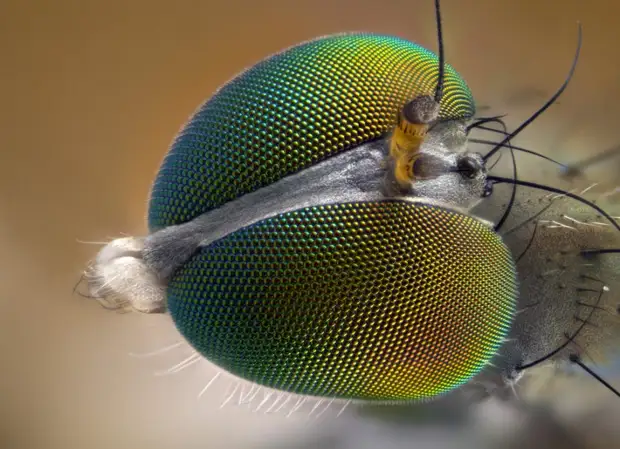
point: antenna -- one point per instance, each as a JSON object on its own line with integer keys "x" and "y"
{"x": 440, "y": 76}
{"x": 547, "y": 104}
{"x": 414, "y": 120}
{"x": 574, "y": 358}
{"x": 578, "y": 167}
{"x": 499, "y": 180}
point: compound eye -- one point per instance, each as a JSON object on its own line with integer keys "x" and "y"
{"x": 370, "y": 301}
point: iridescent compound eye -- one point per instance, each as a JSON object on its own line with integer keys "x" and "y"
{"x": 388, "y": 300}
{"x": 291, "y": 112}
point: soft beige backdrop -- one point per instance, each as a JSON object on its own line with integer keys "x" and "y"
{"x": 91, "y": 94}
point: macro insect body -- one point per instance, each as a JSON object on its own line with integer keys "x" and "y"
{"x": 314, "y": 229}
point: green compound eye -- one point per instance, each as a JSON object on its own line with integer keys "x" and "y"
{"x": 291, "y": 111}
{"x": 383, "y": 301}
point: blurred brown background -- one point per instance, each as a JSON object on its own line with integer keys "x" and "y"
{"x": 91, "y": 94}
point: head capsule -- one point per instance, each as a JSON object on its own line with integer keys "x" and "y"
{"x": 381, "y": 298}
{"x": 292, "y": 255}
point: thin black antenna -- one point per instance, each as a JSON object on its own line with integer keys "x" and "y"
{"x": 529, "y": 220}
{"x": 496, "y": 162}
{"x": 574, "y": 358}
{"x": 500, "y": 180}
{"x": 439, "y": 89}
{"x": 514, "y": 147}
{"x": 482, "y": 120}
{"x": 588, "y": 252}
{"x": 513, "y": 194}
{"x": 486, "y": 128}
{"x": 529, "y": 244}
{"x": 578, "y": 167}
{"x": 546, "y": 105}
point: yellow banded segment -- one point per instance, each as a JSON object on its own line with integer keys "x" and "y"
{"x": 405, "y": 147}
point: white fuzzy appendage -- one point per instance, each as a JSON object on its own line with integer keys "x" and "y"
{"x": 120, "y": 278}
